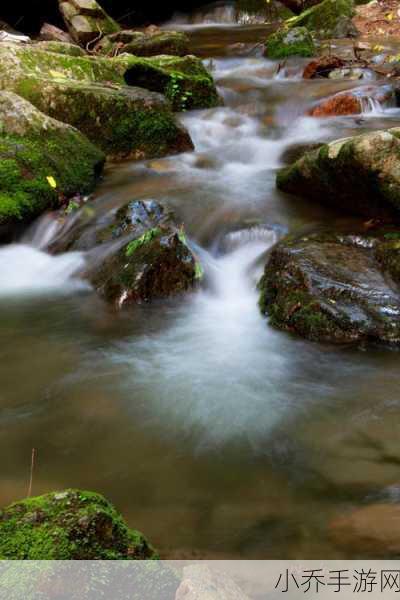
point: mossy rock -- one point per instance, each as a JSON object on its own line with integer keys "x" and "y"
{"x": 146, "y": 256}
{"x": 92, "y": 95}
{"x": 324, "y": 18}
{"x": 358, "y": 175}
{"x": 331, "y": 288}
{"x": 285, "y": 42}
{"x": 86, "y": 20}
{"x": 138, "y": 43}
{"x": 69, "y": 525}
{"x": 61, "y": 48}
{"x": 152, "y": 261}
{"x": 42, "y": 161}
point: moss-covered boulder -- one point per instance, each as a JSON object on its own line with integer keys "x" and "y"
{"x": 42, "y": 161}
{"x": 139, "y": 43}
{"x": 285, "y": 42}
{"x": 69, "y": 525}
{"x": 86, "y": 20}
{"x": 360, "y": 175}
{"x": 92, "y": 94}
{"x": 333, "y": 288}
{"x": 326, "y": 19}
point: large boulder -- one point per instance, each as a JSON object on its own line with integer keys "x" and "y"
{"x": 69, "y": 525}
{"x": 140, "y": 253}
{"x": 370, "y": 531}
{"x": 328, "y": 19}
{"x": 337, "y": 288}
{"x": 92, "y": 94}
{"x": 285, "y": 42}
{"x": 86, "y": 20}
{"x": 152, "y": 42}
{"x": 360, "y": 175}
{"x": 42, "y": 161}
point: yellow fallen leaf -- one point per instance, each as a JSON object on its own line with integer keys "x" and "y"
{"x": 51, "y": 181}
{"x": 57, "y": 74}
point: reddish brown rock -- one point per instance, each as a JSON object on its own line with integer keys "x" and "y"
{"x": 322, "y": 66}
{"x": 339, "y": 105}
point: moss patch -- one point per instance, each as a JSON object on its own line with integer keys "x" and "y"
{"x": 290, "y": 42}
{"x": 70, "y": 525}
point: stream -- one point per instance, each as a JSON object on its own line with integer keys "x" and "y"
{"x": 213, "y": 433}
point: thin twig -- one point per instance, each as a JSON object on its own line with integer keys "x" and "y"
{"x": 32, "y": 468}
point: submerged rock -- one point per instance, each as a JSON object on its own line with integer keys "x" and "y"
{"x": 150, "y": 43}
{"x": 42, "y": 161}
{"x": 360, "y": 175}
{"x": 328, "y": 19}
{"x": 372, "y": 531}
{"x": 92, "y": 94}
{"x": 332, "y": 288}
{"x": 86, "y": 20}
{"x": 290, "y": 42}
{"x": 69, "y": 525}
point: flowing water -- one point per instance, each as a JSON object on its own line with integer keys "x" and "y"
{"x": 213, "y": 433}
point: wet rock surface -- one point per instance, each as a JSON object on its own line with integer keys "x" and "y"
{"x": 140, "y": 253}
{"x": 360, "y": 175}
{"x": 332, "y": 288}
{"x": 68, "y": 525}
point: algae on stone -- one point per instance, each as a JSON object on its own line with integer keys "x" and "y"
{"x": 42, "y": 161}
{"x": 325, "y": 17}
{"x": 92, "y": 95}
{"x": 69, "y": 525}
{"x": 285, "y": 42}
{"x": 360, "y": 175}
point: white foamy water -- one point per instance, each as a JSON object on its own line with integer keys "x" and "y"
{"x": 28, "y": 270}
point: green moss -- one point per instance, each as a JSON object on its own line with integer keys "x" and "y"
{"x": 144, "y": 239}
{"x": 27, "y": 162}
{"x": 290, "y": 42}
{"x": 71, "y": 525}
{"x": 323, "y": 17}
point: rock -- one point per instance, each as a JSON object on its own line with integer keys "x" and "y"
{"x": 155, "y": 43}
{"x": 352, "y": 73}
{"x": 185, "y": 81}
{"x": 153, "y": 259}
{"x": 344, "y": 28}
{"x": 201, "y": 582}
{"x": 51, "y": 33}
{"x": 42, "y": 161}
{"x": 92, "y": 94}
{"x": 322, "y": 66}
{"x": 86, "y": 21}
{"x": 143, "y": 254}
{"x": 285, "y": 42}
{"x": 354, "y": 101}
{"x": 372, "y": 531}
{"x": 70, "y": 525}
{"x": 61, "y": 48}
{"x": 325, "y": 18}
{"x": 344, "y": 103}
{"x": 360, "y": 175}
{"x": 331, "y": 288}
